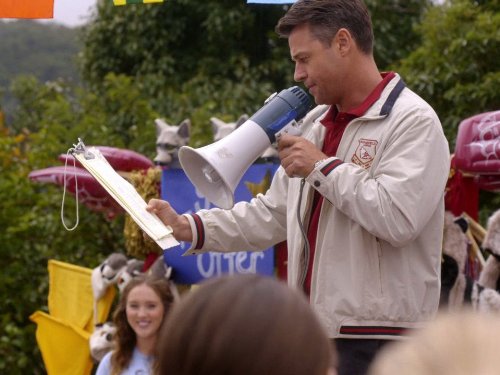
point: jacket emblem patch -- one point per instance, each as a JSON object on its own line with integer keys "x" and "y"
{"x": 365, "y": 153}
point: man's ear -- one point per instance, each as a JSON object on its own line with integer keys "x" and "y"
{"x": 343, "y": 41}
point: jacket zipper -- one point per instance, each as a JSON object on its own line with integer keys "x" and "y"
{"x": 307, "y": 250}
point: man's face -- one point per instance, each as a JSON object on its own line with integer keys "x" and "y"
{"x": 317, "y": 65}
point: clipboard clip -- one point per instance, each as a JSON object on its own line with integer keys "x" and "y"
{"x": 80, "y": 148}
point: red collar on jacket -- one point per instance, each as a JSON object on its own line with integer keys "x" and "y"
{"x": 334, "y": 117}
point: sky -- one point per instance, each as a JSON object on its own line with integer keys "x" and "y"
{"x": 71, "y": 12}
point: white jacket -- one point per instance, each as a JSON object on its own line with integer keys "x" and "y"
{"x": 376, "y": 270}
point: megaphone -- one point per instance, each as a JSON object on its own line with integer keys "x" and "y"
{"x": 215, "y": 170}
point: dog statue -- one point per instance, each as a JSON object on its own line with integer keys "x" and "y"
{"x": 107, "y": 273}
{"x": 454, "y": 282}
{"x": 221, "y": 129}
{"x": 101, "y": 340}
{"x": 457, "y": 289}
{"x": 169, "y": 138}
{"x": 490, "y": 274}
{"x": 133, "y": 269}
{"x": 161, "y": 269}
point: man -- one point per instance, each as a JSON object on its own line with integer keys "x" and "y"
{"x": 366, "y": 178}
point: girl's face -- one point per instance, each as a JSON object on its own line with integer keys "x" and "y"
{"x": 144, "y": 311}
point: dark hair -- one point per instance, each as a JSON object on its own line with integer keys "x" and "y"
{"x": 327, "y": 17}
{"x": 243, "y": 324}
{"x": 125, "y": 338}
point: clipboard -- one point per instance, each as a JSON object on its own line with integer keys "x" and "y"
{"x": 124, "y": 193}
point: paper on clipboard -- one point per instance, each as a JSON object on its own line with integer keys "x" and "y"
{"x": 125, "y": 194}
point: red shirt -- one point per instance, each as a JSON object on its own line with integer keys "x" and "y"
{"x": 335, "y": 123}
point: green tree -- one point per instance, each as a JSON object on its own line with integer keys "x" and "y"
{"x": 214, "y": 58}
{"x": 195, "y": 59}
{"x": 190, "y": 59}
{"x": 178, "y": 39}
{"x": 31, "y": 234}
{"x": 48, "y": 52}
{"x": 457, "y": 66}
{"x": 394, "y": 23}
{"x": 49, "y": 119}
{"x": 120, "y": 116}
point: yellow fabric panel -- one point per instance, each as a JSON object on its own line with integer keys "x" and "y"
{"x": 103, "y": 308}
{"x": 71, "y": 298}
{"x": 70, "y": 293}
{"x": 65, "y": 347}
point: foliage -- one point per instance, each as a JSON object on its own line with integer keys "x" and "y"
{"x": 188, "y": 59}
{"x": 191, "y": 59}
{"x": 394, "y": 22}
{"x": 50, "y": 119}
{"x": 179, "y": 39}
{"x": 46, "y": 51}
{"x": 457, "y": 67}
{"x": 31, "y": 234}
{"x": 120, "y": 117}
{"x": 197, "y": 59}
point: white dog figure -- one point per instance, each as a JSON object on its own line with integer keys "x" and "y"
{"x": 101, "y": 340}
{"x": 221, "y": 129}
{"x": 169, "y": 138}
{"x": 453, "y": 279}
{"x": 105, "y": 275}
{"x": 161, "y": 269}
{"x": 490, "y": 274}
{"x": 459, "y": 290}
{"x": 133, "y": 269}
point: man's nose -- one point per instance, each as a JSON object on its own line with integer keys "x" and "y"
{"x": 299, "y": 74}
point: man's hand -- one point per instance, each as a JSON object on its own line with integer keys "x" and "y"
{"x": 178, "y": 223}
{"x": 298, "y": 155}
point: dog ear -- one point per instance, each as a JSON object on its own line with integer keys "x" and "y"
{"x": 160, "y": 126}
{"x": 216, "y": 124}
{"x": 492, "y": 238}
{"x": 241, "y": 120}
{"x": 184, "y": 129}
{"x": 454, "y": 240}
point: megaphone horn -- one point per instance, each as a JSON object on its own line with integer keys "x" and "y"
{"x": 215, "y": 170}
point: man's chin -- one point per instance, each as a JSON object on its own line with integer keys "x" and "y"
{"x": 318, "y": 100}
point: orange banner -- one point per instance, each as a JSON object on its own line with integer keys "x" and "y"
{"x": 26, "y": 8}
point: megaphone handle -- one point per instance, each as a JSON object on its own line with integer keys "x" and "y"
{"x": 292, "y": 128}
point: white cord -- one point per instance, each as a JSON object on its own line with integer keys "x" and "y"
{"x": 307, "y": 250}
{"x": 64, "y": 193}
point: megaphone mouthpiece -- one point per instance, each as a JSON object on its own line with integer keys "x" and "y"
{"x": 215, "y": 170}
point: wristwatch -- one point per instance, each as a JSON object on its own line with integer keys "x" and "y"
{"x": 316, "y": 165}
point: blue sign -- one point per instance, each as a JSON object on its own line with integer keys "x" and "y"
{"x": 182, "y": 195}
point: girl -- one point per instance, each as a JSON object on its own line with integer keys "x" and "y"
{"x": 140, "y": 313}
